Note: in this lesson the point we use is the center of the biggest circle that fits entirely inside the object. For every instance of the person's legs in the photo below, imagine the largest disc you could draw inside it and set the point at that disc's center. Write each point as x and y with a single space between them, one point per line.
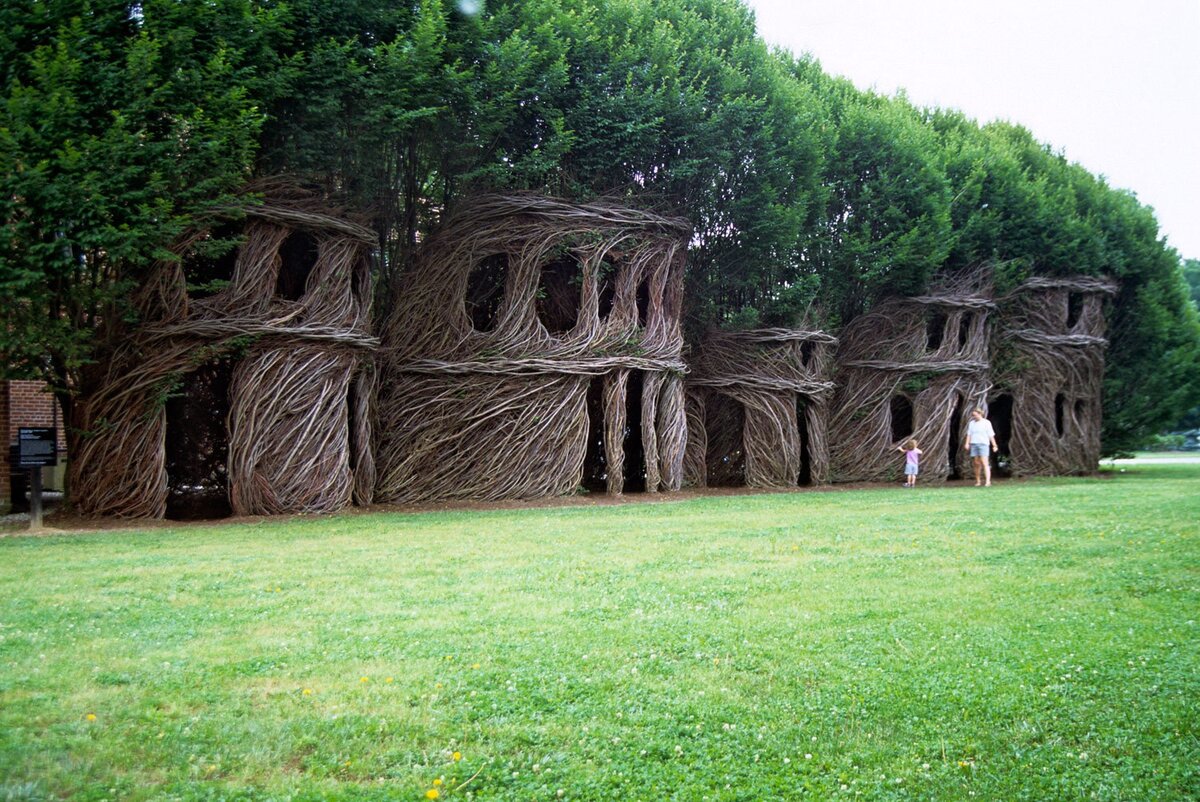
975 466
987 471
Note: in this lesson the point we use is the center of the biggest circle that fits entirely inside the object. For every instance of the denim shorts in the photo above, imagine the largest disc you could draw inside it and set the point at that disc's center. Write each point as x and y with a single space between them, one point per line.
910 470
979 449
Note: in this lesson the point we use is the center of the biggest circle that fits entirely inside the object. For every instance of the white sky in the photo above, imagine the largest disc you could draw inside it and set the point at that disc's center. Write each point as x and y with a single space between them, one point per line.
1113 84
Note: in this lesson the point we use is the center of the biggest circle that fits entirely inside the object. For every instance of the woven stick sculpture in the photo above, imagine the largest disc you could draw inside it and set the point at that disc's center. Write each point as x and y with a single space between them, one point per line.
758 405
912 367
296 437
515 313
1049 371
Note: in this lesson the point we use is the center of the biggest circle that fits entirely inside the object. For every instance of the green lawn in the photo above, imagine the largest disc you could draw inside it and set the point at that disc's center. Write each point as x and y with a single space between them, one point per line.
1035 640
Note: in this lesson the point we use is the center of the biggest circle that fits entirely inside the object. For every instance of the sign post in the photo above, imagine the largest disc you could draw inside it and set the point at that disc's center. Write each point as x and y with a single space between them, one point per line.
37 448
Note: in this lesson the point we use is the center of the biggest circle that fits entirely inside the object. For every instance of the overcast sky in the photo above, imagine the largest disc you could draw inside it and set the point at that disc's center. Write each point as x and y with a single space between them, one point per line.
1113 84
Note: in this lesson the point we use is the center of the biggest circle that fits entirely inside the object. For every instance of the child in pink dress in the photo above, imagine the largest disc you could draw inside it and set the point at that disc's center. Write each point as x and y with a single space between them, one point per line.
912 459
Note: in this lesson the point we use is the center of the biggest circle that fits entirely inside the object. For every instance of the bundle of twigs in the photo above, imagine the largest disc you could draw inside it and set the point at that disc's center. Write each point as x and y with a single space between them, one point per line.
928 355
298 425
1051 359
745 396
494 405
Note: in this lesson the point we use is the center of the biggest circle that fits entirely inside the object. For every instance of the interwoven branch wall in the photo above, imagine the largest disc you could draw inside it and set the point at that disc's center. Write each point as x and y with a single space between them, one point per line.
1050 361
913 367
746 396
512 311
297 435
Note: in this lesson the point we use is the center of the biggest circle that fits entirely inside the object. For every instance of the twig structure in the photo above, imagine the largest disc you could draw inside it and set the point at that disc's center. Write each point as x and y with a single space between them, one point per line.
534 347
254 398
1048 366
911 368
757 409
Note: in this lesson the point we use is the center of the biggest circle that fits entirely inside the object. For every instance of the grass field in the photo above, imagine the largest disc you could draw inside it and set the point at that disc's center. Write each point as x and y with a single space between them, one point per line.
1033 641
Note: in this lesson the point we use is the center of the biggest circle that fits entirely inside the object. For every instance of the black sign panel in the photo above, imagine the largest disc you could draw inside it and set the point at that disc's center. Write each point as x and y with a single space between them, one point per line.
37 447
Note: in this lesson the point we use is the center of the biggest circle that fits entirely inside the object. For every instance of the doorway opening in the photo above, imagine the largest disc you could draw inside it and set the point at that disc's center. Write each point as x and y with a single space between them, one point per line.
805 477
595 461
954 440
1000 413
725 422
635 455
197 444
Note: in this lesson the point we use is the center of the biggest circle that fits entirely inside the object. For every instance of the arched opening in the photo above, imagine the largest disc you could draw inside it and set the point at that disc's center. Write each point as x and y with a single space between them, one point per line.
297 258
1074 309
935 329
606 278
1060 404
197 444
901 413
558 295
208 265
595 462
360 281
964 330
485 291
954 449
725 422
1000 413
1081 411
808 353
643 303
805 477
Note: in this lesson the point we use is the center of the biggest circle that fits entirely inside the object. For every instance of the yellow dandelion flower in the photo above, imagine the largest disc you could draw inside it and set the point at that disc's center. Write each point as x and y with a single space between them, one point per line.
474 665
307 692
91 716
437 685
363 679
389 679
457 756
432 793
437 782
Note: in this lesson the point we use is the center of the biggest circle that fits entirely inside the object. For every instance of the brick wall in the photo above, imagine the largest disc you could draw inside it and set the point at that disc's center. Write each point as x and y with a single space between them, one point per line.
30 405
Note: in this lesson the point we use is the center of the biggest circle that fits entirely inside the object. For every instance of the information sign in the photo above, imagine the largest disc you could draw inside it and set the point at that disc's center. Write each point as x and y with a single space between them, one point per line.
37 447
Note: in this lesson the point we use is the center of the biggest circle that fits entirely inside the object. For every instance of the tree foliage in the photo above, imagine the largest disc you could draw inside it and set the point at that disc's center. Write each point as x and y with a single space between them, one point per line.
122 125
810 199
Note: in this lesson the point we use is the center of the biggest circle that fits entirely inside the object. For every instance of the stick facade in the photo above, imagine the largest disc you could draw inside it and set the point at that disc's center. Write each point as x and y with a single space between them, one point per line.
758 409
1048 366
534 347
253 399
911 368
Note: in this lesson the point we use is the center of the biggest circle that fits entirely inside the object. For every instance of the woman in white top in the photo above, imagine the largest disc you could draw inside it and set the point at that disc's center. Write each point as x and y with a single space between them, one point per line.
979 434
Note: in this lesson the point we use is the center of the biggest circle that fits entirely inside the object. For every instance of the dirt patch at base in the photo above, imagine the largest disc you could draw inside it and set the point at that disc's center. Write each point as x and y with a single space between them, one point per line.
65 523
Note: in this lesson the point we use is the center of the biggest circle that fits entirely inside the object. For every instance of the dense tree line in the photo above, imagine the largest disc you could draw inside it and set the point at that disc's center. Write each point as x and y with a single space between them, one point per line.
126 122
